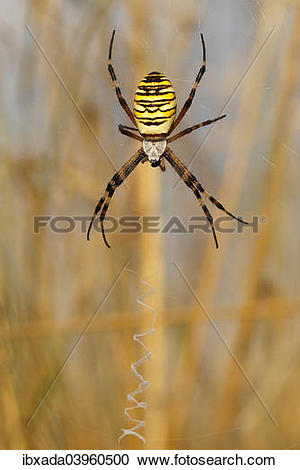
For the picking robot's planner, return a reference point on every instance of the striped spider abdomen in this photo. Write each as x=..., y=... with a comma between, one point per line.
x=154, y=105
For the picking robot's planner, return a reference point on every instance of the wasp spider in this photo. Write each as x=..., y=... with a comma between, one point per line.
x=154, y=119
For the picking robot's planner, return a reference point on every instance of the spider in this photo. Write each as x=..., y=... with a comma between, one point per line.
x=154, y=119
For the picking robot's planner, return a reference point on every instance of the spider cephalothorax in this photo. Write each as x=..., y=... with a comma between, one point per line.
x=154, y=119
x=154, y=150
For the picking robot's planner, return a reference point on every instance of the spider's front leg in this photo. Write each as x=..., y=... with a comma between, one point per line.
x=112, y=74
x=189, y=101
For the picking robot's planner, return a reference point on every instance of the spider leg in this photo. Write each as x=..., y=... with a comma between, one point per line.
x=103, y=213
x=130, y=128
x=192, y=182
x=162, y=164
x=189, y=101
x=124, y=130
x=116, y=181
x=201, y=189
x=193, y=128
x=189, y=180
x=111, y=70
x=208, y=215
x=217, y=203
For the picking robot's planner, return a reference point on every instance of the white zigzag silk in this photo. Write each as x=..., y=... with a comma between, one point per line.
x=139, y=424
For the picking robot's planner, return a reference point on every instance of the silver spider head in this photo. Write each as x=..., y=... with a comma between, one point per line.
x=154, y=150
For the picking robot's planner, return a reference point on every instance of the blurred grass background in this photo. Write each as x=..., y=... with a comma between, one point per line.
x=51, y=284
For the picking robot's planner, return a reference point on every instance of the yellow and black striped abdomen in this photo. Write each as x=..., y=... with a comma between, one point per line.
x=154, y=105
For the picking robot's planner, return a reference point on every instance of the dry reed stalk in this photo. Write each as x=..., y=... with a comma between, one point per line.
x=281, y=133
x=238, y=156
x=45, y=276
x=150, y=250
x=13, y=436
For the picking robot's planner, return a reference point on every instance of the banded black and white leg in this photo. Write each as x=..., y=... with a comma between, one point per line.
x=191, y=181
x=193, y=128
x=111, y=70
x=189, y=101
x=116, y=181
x=125, y=130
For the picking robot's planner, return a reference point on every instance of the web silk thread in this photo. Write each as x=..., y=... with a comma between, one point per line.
x=139, y=424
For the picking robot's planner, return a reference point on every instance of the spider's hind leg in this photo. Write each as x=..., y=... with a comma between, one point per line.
x=116, y=181
x=218, y=204
x=189, y=179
